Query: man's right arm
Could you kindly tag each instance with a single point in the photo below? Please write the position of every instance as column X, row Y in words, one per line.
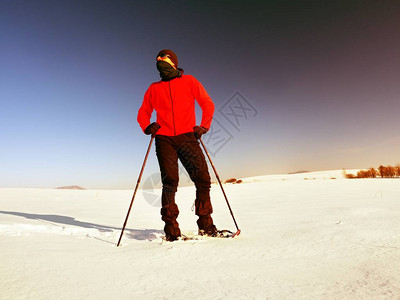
column 145, row 111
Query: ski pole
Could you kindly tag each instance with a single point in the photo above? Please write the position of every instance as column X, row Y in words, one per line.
column 134, row 193
column 220, row 184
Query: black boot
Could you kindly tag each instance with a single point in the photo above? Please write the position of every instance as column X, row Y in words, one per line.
column 169, row 214
column 206, row 225
column 172, row 231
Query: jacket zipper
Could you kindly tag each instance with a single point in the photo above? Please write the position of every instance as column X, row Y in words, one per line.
column 172, row 104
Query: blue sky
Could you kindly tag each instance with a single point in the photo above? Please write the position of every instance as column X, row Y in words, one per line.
column 320, row 83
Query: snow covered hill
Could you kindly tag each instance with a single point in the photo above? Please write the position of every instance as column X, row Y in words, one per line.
column 304, row 236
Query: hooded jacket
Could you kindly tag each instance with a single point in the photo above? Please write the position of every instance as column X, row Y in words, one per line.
column 174, row 103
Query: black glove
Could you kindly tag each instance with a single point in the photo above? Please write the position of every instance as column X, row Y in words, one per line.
column 152, row 128
column 199, row 131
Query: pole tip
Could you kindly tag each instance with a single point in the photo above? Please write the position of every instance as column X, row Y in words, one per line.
column 237, row 233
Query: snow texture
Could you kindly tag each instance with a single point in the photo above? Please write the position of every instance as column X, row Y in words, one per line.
column 304, row 236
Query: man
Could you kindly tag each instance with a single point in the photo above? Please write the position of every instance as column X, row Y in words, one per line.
column 176, row 136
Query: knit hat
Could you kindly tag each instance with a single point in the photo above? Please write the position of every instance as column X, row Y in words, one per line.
column 172, row 56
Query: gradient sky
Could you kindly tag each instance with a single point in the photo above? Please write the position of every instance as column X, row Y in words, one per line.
column 320, row 81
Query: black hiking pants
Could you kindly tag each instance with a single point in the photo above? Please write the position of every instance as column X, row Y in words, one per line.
column 186, row 148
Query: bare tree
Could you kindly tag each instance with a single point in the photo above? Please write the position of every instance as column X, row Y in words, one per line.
column 390, row 171
column 381, row 171
column 397, row 169
column 373, row 172
column 364, row 174
column 350, row 176
column 361, row 174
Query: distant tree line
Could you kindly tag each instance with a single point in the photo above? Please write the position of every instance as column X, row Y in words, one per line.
column 381, row 171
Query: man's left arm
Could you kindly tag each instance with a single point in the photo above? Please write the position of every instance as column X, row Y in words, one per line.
column 206, row 104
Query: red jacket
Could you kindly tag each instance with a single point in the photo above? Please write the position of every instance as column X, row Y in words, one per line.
column 174, row 103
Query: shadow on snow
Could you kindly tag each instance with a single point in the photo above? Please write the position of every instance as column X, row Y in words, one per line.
column 137, row 234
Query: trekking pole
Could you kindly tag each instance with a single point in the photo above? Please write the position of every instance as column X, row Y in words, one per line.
column 134, row 193
column 220, row 184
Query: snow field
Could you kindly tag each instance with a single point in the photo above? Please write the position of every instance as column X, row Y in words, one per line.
column 301, row 239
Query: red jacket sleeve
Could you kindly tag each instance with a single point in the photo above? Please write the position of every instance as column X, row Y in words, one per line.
column 145, row 111
column 205, row 102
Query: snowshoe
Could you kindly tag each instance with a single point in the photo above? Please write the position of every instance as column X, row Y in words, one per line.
column 171, row 238
column 216, row 233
